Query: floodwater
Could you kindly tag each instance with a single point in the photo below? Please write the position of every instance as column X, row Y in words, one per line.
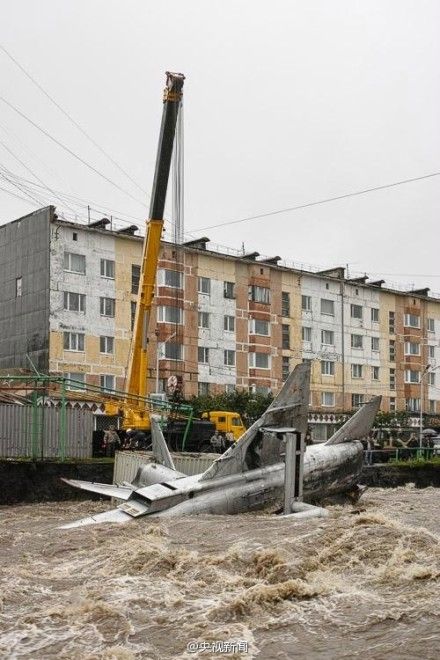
column 362, row 583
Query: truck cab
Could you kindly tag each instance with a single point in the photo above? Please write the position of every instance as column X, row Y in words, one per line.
column 226, row 423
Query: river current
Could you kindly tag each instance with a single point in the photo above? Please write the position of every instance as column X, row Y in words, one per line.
column 364, row 582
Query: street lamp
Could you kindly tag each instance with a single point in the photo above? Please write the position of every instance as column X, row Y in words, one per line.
column 158, row 356
column 422, row 375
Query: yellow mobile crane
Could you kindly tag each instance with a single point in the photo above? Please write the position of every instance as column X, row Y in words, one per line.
column 135, row 408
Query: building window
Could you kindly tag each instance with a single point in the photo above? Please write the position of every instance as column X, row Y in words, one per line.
column 229, row 358
column 285, row 367
column 259, row 294
column 204, row 285
column 203, row 319
column 391, row 322
column 374, row 343
column 285, row 336
column 306, row 303
column 229, row 290
column 77, row 380
column 357, row 400
column 412, row 376
column 74, row 236
column 229, row 323
column 431, row 378
column 375, row 315
column 327, row 368
column 392, row 379
column 203, row 355
column 170, row 350
column 108, row 268
column 171, row 278
column 306, row 333
column 375, row 373
column 328, row 399
column 107, row 382
column 412, row 405
column 430, row 324
column 230, row 389
column 356, row 341
column 431, row 351
column 328, row 337
column 170, row 314
column 392, row 404
column 259, row 327
column 356, row 370
column 135, row 277
column 106, row 344
column 412, row 348
column 259, row 360
column 74, row 263
column 73, row 341
column 431, row 405
column 327, row 307
column 18, row 287
column 74, row 302
column 285, row 303
column 356, row 311
column 412, row 321
column 203, row 389
column 392, row 350
column 132, row 314
column 107, row 307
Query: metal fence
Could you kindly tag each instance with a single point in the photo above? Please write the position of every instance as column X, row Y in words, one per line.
column 38, row 432
column 400, row 454
column 128, row 462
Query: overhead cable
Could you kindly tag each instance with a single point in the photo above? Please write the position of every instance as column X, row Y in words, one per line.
column 72, row 153
column 321, row 201
column 44, row 185
column 70, row 118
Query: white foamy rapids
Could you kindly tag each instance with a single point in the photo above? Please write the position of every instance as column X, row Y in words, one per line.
column 365, row 580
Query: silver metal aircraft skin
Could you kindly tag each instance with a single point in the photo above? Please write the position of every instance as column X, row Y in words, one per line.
column 250, row 474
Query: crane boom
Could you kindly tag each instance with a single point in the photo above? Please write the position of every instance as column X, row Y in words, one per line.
column 136, row 384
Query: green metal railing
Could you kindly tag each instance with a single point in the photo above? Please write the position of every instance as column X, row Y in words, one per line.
column 44, row 384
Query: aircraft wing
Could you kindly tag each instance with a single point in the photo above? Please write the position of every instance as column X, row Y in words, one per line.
column 110, row 490
column 113, row 516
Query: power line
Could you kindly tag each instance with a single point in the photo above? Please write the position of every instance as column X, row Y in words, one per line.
column 321, row 201
column 44, row 185
column 24, row 199
column 72, row 153
column 74, row 199
column 70, row 118
column 20, row 187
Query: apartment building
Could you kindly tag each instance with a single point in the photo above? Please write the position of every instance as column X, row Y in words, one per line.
column 220, row 321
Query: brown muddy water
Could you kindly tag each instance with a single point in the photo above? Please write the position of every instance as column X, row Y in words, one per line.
column 362, row 583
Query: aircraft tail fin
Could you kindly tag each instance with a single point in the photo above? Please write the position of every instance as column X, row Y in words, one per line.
column 161, row 452
column 288, row 410
column 359, row 425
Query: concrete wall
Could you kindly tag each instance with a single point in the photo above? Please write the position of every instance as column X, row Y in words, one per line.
column 24, row 316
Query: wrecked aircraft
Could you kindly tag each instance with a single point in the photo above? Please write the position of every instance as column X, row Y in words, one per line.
column 250, row 474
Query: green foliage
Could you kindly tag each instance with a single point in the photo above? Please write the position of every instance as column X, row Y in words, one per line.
column 249, row 406
column 391, row 420
column 433, row 461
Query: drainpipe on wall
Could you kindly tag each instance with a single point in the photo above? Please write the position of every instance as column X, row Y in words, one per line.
column 342, row 289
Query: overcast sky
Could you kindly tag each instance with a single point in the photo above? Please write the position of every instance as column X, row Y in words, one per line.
column 286, row 103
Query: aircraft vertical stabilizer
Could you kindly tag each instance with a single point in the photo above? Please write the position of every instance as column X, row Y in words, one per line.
column 359, row 425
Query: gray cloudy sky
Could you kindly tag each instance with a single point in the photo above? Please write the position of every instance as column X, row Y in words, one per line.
column 286, row 102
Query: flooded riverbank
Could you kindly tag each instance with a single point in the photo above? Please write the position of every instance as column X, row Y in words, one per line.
column 364, row 581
